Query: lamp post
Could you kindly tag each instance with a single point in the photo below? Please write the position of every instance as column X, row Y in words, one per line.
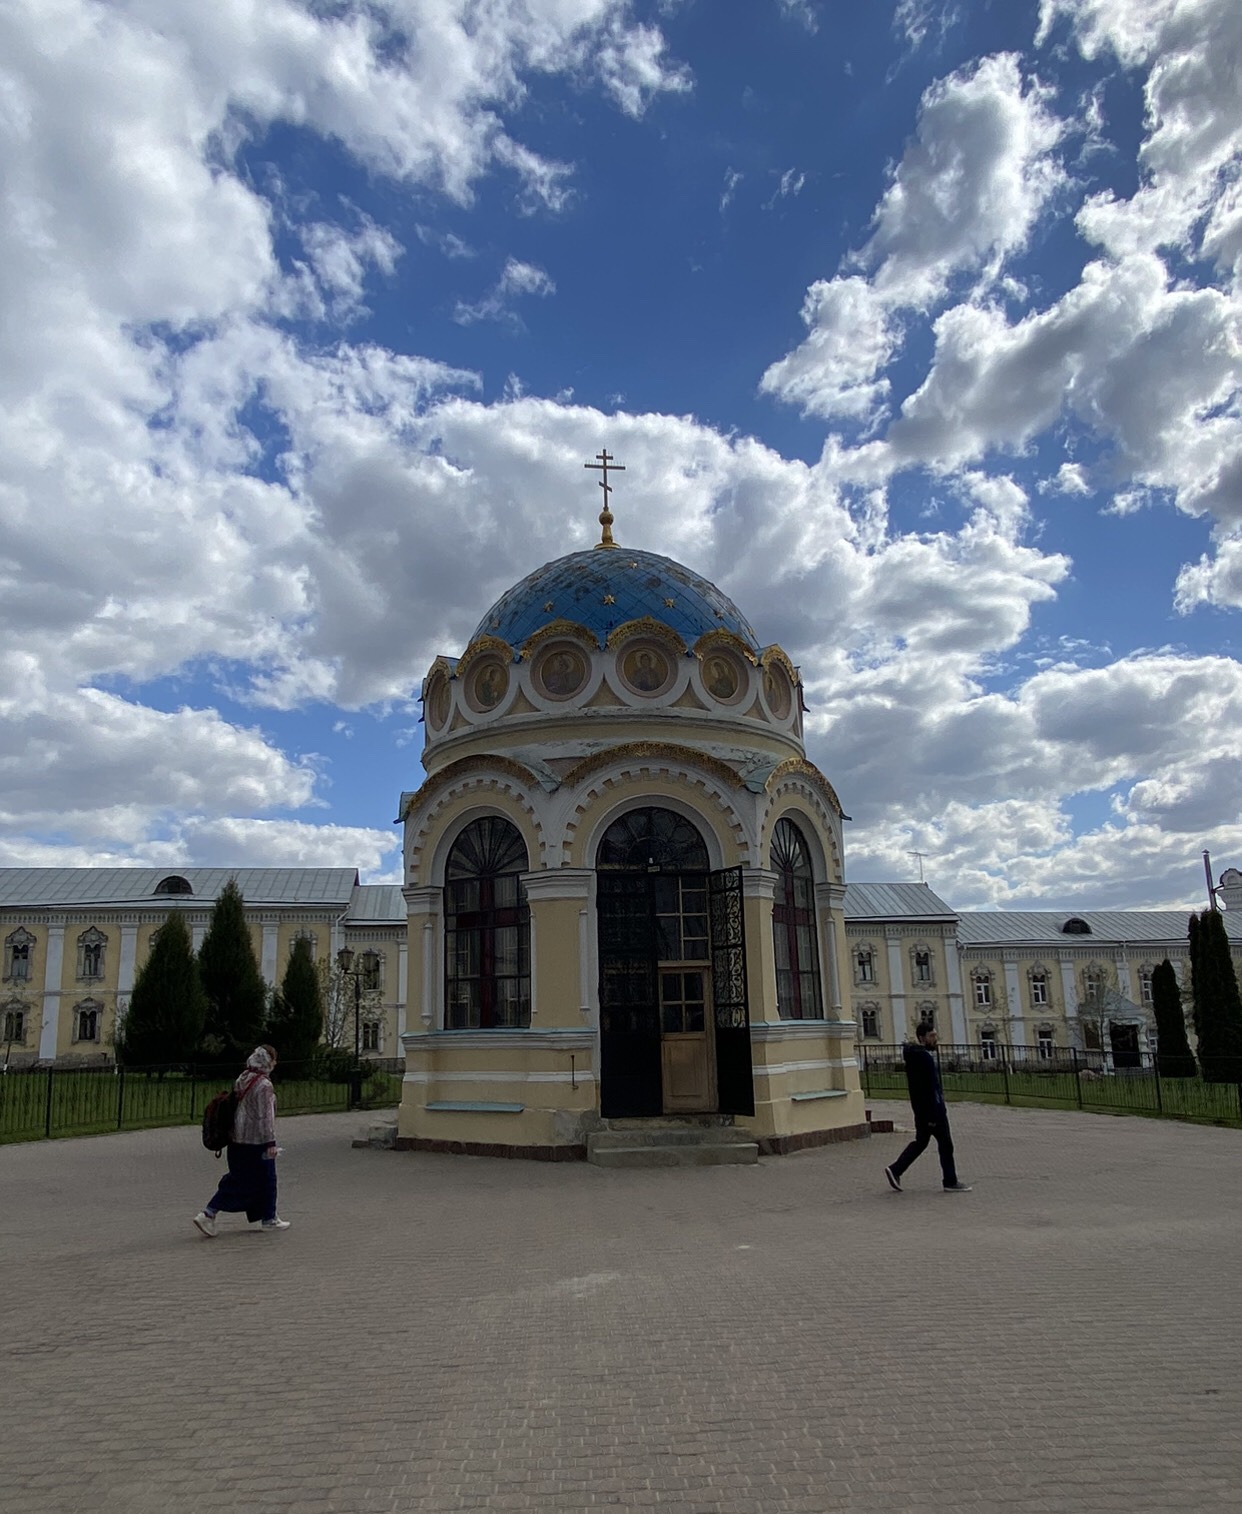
column 345, row 961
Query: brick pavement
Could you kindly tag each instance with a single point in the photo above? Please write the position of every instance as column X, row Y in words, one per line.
column 444, row 1333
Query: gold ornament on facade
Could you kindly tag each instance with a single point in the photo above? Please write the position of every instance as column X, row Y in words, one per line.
column 651, row 629
column 654, row 751
column 480, row 646
column 462, row 768
column 556, row 629
column 808, row 770
column 719, row 637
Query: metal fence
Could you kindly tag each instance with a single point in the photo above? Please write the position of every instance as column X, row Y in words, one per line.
column 41, row 1102
column 1026, row 1075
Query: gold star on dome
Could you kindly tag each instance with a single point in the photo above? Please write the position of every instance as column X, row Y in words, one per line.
column 633, row 565
column 495, row 625
column 669, row 604
column 548, row 606
column 609, row 599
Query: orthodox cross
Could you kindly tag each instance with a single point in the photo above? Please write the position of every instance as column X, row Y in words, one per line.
column 605, row 515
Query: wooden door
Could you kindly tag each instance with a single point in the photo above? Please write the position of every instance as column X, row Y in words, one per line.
column 687, row 1065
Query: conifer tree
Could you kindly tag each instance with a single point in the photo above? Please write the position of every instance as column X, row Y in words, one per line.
column 167, row 1007
column 296, row 1021
column 1217, row 1004
column 236, row 994
column 1173, row 1054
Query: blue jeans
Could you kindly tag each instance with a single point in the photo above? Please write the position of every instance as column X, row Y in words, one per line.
column 924, row 1130
column 249, row 1185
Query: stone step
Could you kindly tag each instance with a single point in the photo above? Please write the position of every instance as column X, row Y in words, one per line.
column 664, row 1122
column 730, row 1154
column 667, row 1135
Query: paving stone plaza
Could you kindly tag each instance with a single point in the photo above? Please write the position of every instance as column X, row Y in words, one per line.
column 447, row 1333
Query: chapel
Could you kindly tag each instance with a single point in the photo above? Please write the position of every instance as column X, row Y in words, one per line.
column 623, row 877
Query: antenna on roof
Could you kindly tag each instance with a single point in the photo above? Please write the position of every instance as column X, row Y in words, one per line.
column 920, row 856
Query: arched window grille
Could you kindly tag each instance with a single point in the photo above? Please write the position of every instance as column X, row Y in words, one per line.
column 487, row 929
column 798, row 995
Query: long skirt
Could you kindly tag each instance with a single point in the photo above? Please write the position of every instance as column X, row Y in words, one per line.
column 249, row 1184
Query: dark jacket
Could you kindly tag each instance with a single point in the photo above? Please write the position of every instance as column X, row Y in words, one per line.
column 923, row 1081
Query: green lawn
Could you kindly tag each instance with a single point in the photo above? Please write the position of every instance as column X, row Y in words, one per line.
column 1139, row 1094
column 91, row 1101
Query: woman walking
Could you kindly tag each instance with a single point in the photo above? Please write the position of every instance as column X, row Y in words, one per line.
column 250, row 1182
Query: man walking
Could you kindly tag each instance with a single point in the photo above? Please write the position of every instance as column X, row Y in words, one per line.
column 931, row 1118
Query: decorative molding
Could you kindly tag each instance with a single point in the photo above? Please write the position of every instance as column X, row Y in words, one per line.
column 560, row 629
column 463, row 768
column 481, row 645
column 646, row 627
column 649, row 751
column 720, row 636
column 800, row 767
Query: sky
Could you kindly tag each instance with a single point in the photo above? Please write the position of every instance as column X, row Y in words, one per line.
column 917, row 326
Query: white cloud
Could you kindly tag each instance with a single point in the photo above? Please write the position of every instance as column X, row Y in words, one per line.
column 964, row 197
column 517, row 280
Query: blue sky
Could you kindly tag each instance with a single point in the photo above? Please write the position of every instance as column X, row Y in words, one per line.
column 915, row 325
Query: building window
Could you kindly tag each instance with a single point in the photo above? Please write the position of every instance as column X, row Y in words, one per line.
column 869, row 1017
column 1075, row 926
column 91, row 945
column 983, row 989
column 864, row 965
column 1039, row 987
column 15, row 1027
column 17, row 951
column 1145, row 984
column 1091, row 1038
column 798, row 995
column 922, row 964
column 987, row 1043
column 1045, row 1042
column 370, row 1035
column 487, row 929
column 86, row 1021
column 370, row 971
column 925, row 1014
column 1092, row 984
column 173, row 884
column 312, row 941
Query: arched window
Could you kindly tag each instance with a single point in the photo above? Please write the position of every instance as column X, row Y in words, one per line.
column 1075, row 926
column 86, row 1018
column 1038, row 978
column 17, row 950
column 982, row 980
column 921, row 965
column 15, row 1024
column 798, row 995
column 91, row 944
column 486, row 929
column 864, row 964
column 869, row 1021
column 173, row 884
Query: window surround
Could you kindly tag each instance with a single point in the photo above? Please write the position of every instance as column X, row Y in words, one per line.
column 1037, row 979
column 88, row 1021
column 869, row 1022
column 981, row 979
column 19, row 948
column 15, row 1024
column 92, row 951
column 799, row 994
column 922, row 965
column 863, row 958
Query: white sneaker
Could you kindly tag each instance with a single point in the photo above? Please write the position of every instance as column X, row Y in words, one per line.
column 205, row 1222
column 276, row 1224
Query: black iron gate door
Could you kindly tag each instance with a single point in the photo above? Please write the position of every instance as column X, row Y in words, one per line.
column 629, row 1013
column 735, row 1083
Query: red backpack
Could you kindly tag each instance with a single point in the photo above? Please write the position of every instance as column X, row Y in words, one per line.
column 219, row 1115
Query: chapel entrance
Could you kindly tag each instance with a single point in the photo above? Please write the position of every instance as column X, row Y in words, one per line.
column 674, row 1028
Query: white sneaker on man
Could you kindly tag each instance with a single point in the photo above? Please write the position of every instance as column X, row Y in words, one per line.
column 205, row 1222
column 276, row 1224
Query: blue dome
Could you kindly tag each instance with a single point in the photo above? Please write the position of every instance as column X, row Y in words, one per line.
column 603, row 589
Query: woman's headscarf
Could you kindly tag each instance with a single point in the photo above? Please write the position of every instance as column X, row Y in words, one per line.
column 259, row 1060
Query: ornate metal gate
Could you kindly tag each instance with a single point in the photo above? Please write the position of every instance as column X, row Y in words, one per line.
column 734, row 1076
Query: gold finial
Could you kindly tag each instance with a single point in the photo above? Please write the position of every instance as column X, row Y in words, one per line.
column 605, row 515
